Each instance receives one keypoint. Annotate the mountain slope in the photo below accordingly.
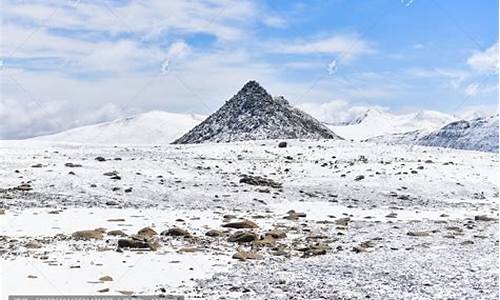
(254, 114)
(376, 122)
(155, 127)
(478, 134)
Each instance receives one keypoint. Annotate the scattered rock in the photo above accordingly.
(261, 181)
(293, 215)
(241, 224)
(343, 221)
(418, 233)
(33, 245)
(359, 177)
(106, 278)
(276, 234)
(282, 144)
(213, 233)
(100, 158)
(88, 234)
(72, 165)
(24, 187)
(244, 255)
(175, 231)
(147, 232)
(136, 244)
(242, 237)
(392, 215)
(314, 250)
(484, 218)
(117, 233)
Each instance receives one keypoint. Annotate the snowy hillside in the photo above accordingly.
(253, 114)
(155, 127)
(478, 134)
(376, 122)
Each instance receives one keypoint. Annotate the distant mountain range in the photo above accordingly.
(376, 122)
(253, 114)
(155, 127)
(479, 134)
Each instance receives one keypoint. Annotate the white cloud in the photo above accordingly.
(472, 89)
(482, 88)
(346, 46)
(224, 19)
(485, 61)
(23, 119)
(274, 21)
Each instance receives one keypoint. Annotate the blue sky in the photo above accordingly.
(76, 62)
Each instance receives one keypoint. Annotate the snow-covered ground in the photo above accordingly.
(380, 221)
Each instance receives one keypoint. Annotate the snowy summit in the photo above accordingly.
(253, 114)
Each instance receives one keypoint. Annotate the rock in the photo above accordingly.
(175, 231)
(33, 245)
(100, 158)
(343, 221)
(37, 166)
(213, 233)
(293, 215)
(260, 181)
(314, 250)
(106, 278)
(2, 211)
(267, 241)
(359, 177)
(127, 293)
(392, 215)
(24, 187)
(282, 145)
(244, 255)
(136, 244)
(117, 233)
(242, 237)
(103, 290)
(418, 233)
(276, 234)
(484, 218)
(128, 190)
(241, 224)
(88, 234)
(72, 165)
(358, 249)
(190, 250)
(147, 232)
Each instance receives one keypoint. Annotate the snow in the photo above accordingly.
(154, 127)
(377, 122)
(193, 186)
(478, 134)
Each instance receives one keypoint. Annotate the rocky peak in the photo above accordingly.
(254, 114)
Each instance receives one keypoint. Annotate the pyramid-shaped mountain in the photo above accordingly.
(253, 114)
